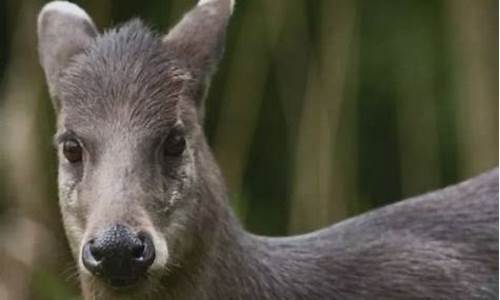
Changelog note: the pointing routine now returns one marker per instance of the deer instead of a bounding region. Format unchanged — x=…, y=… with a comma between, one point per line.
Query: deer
x=146, y=211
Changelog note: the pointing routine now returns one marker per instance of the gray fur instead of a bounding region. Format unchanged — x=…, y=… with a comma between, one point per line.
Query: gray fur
x=122, y=92
x=62, y=34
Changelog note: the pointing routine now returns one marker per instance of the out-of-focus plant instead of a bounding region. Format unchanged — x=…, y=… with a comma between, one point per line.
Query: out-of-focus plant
x=320, y=110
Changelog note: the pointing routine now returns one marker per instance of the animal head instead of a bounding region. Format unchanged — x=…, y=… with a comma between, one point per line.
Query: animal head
x=137, y=184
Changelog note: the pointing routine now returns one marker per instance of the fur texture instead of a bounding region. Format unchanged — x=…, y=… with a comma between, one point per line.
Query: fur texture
x=121, y=93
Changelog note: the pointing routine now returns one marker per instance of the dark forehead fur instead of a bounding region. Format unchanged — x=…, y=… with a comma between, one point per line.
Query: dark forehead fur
x=126, y=75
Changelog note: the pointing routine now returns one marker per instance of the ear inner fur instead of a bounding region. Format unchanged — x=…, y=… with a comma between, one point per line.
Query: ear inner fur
x=64, y=30
x=198, y=40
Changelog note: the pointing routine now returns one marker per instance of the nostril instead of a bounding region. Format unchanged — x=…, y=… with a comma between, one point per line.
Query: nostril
x=138, y=250
x=95, y=251
x=89, y=258
x=146, y=252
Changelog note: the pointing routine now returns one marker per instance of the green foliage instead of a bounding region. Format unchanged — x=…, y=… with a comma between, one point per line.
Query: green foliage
x=320, y=109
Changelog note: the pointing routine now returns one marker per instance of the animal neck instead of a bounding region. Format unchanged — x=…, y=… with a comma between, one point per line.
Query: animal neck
x=231, y=263
x=238, y=265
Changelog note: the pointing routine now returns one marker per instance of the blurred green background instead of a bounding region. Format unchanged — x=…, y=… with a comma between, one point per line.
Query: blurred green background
x=321, y=109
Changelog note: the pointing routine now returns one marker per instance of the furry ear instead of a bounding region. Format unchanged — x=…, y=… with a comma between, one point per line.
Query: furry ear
x=64, y=30
x=198, y=40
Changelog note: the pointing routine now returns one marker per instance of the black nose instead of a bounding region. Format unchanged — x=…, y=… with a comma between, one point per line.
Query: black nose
x=119, y=256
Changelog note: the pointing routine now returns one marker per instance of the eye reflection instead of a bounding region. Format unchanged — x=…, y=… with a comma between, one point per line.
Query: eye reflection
x=175, y=144
x=72, y=150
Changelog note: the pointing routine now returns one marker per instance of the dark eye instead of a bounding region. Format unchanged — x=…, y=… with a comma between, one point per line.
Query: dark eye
x=72, y=151
x=174, y=144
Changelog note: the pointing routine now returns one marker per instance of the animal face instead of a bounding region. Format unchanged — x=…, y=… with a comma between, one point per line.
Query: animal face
x=133, y=159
